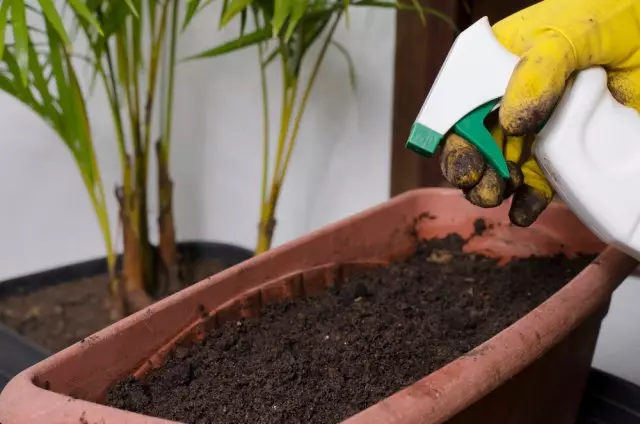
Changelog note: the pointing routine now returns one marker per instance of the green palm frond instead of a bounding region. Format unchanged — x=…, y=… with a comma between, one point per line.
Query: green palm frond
x=14, y=16
x=295, y=25
x=45, y=80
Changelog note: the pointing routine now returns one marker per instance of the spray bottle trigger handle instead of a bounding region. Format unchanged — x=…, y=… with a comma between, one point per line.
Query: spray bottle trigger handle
x=472, y=129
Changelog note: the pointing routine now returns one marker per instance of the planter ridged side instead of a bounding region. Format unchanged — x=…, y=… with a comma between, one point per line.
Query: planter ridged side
x=534, y=371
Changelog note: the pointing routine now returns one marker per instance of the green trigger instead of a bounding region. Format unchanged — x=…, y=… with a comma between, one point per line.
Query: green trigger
x=472, y=129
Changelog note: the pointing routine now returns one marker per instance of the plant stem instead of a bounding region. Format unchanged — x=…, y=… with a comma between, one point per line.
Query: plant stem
x=262, y=227
x=265, y=123
x=168, y=121
x=135, y=79
x=305, y=97
x=114, y=101
x=156, y=48
x=169, y=274
x=267, y=209
x=267, y=221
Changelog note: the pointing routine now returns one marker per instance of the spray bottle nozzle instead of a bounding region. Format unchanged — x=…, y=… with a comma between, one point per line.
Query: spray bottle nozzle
x=471, y=127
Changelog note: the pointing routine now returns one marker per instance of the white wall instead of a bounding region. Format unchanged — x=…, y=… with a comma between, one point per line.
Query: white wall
x=47, y=220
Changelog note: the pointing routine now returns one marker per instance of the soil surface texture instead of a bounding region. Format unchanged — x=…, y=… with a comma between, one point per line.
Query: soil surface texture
x=58, y=316
x=327, y=357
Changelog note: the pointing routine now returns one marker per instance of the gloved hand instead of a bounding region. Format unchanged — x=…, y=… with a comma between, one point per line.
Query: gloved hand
x=553, y=38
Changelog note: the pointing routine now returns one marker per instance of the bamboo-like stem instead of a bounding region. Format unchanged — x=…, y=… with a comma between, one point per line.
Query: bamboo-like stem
x=265, y=123
x=114, y=102
x=289, y=89
x=267, y=207
x=169, y=274
x=133, y=203
x=165, y=142
x=156, y=49
x=111, y=87
x=305, y=97
x=142, y=142
x=124, y=80
x=267, y=221
x=264, y=226
x=135, y=81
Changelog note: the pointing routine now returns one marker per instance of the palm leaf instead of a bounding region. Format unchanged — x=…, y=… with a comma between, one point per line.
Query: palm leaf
x=233, y=8
x=297, y=12
x=136, y=34
x=193, y=7
x=418, y=7
x=20, y=37
x=415, y=6
x=67, y=124
x=251, y=39
x=4, y=14
x=20, y=85
x=41, y=84
x=352, y=70
x=81, y=9
x=9, y=87
x=54, y=19
x=282, y=9
x=133, y=8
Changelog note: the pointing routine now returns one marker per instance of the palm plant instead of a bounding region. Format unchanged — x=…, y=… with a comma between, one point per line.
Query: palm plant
x=286, y=30
x=42, y=76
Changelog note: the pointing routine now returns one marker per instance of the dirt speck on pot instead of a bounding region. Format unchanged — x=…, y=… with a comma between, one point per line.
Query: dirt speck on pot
x=479, y=226
x=327, y=357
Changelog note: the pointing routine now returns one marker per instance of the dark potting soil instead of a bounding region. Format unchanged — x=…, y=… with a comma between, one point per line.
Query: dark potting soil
x=327, y=357
x=58, y=316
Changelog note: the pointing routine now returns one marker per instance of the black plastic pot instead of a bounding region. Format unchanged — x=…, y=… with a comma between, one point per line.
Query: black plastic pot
x=18, y=353
x=609, y=400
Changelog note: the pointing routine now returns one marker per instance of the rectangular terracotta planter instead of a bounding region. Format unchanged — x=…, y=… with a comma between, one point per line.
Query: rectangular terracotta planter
x=532, y=372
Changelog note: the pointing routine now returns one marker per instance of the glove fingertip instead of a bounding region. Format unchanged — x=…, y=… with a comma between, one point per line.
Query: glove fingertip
x=461, y=163
x=489, y=192
x=527, y=205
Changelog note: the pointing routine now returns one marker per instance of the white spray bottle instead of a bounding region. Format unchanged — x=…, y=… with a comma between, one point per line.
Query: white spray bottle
x=578, y=149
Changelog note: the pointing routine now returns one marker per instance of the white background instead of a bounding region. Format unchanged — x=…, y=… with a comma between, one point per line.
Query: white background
x=340, y=166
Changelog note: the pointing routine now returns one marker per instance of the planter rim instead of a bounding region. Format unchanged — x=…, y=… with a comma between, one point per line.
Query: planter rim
x=429, y=399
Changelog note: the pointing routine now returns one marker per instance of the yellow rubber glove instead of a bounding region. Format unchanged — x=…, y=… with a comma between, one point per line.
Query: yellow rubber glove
x=553, y=38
